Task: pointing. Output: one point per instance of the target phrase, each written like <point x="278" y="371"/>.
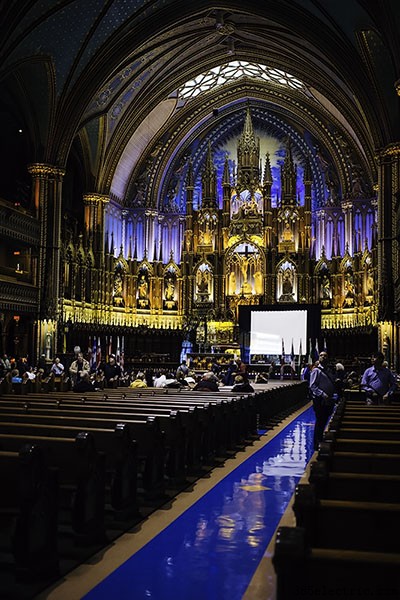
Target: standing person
<point x="378" y="381"/>
<point x="322" y="389"/>
<point x="182" y="369"/>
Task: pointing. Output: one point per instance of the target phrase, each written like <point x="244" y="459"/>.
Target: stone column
<point x="95" y="205"/>
<point x="388" y="232"/>
<point x="47" y="188"/>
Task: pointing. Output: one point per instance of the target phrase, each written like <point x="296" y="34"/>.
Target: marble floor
<point x="214" y="541"/>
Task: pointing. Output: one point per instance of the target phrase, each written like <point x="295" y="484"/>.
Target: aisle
<point x="213" y="548"/>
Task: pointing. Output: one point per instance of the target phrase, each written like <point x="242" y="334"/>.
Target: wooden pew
<point x="217" y="437"/>
<point x="146" y="430"/>
<point x="246" y="402"/>
<point x="279" y="400"/>
<point x="353" y="485"/>
<point x="28" y="513"/>
<point x="188" y="415"/>
<point x="365" y="421"/>
<point x="344" y="544"/>
<point x="119" y="448"/>
<point x="231" y="421"/>
<point x="187" y="449"/>
<point x="357" y="443"/>
<point x="358" y="397"/>
<point x="305" y="571"/>
<point x="363" y="432"/>
<point x="359" y="462"/>
<point x="195" y="418"/>
<point x="81" y="478"/>
<point x="367" y="526"/>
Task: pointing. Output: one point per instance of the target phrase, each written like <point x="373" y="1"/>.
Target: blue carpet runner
<point x="212" y="550"/>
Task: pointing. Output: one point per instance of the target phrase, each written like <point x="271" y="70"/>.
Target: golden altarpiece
<point x="140" y="269"/>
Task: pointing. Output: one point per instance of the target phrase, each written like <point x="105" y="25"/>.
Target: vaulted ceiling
<point x="95" y="82"/>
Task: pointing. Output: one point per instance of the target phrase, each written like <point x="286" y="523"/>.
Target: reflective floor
<point x="212" y="550"/>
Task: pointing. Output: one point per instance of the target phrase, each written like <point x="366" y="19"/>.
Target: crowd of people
<point x="327" y="382"/>
<point x="84" y="376"/>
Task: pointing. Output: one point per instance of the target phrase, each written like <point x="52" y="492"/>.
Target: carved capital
<point x="94" y="199"/>
<point x="390" y="150"/>
<point x="45" y="171"/>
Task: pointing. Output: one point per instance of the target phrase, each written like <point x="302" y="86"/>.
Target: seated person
<point x="241" y="386"/>
<point x="190" y="380"/>
<point x="181" y="379"/>
<point x="99" y="379"/>
<point x="139" y="381"/>
<point x="84" y="384"/>
<point x="351" y="381"/>
<point x="57" y="368"/>
<point x="231" y="371"/>
<point x="76" y="368"/>
<point x="112" y="372"/>
<point x="15" y="376"/>
<point x="31" y="373"/>
<point x="207" y="383"/>
<point x="159" y="380"/>
<point x="261" y="378"/>
<point x="171" y="381"/>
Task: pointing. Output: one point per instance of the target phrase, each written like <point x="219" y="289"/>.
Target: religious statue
<point x="232" y="284"/>
<point x="251" y="208"/>
<point x="169" y="292"/>
<point x="370" y="283"/>
<point x="325" y="288"/>
<point x="287" y="235"/>
<point x="247" y="288"/>
<point x="169" y="288"/>
<point x="205" y="238"/>
<point x="369" y="286"/>
<point x="258" y="283"/>
<point x="143" y="288"/>
<point x="349" y="290"/>
<point x="349" y="285"/>
<point x="202" y="286"/>
<point x="118" y="298"/>
<point x="287" y="286"/>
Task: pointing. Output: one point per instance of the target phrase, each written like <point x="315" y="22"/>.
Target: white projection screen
<point x="269" y="328"/>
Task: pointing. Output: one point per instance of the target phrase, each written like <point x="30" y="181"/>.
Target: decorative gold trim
<point x="391" y="150"/>
<point x="94" y="198"/>
<point x="45" y="170"/>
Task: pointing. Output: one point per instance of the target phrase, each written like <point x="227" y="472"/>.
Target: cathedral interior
<point x="165" y="163"/>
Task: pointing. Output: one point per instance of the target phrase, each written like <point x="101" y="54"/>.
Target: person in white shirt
<point x="159" y="380"/>
<point x="57" y="368"/>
